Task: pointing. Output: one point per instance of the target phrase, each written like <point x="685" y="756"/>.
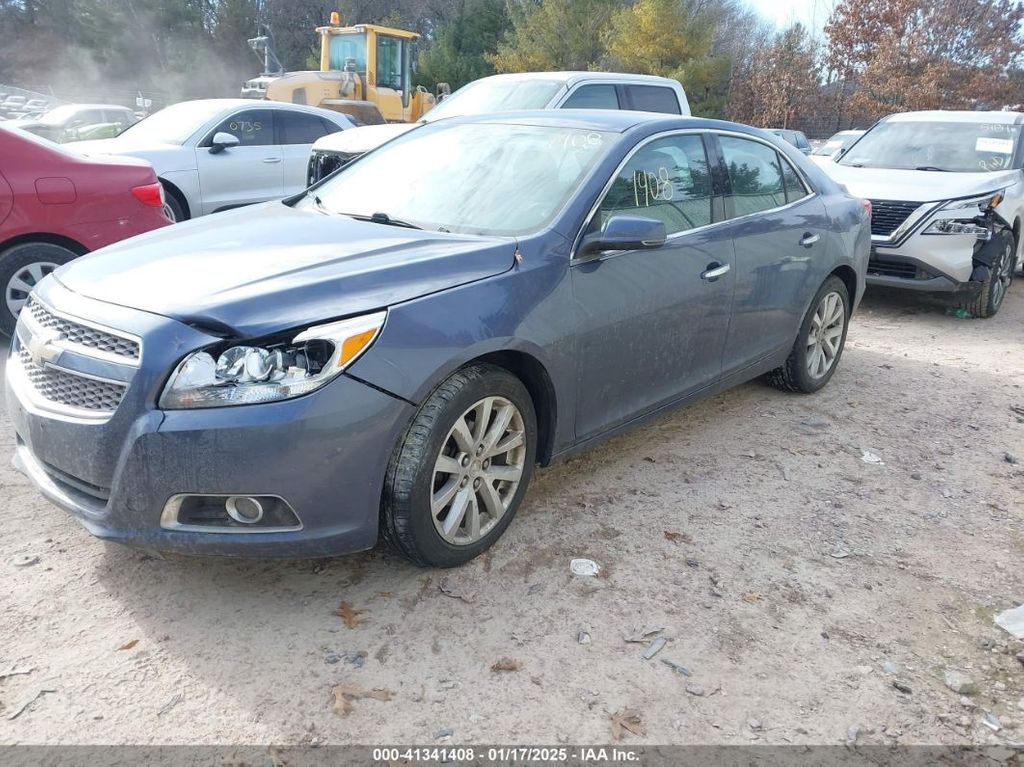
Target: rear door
<point x="778" y="226"/>
<point x="652" y="323"/>
<point x="296" y="133"/>
<point x="244" y="174"/>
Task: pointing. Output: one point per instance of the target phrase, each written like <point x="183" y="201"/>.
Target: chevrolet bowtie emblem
<point x="41" y="347"/>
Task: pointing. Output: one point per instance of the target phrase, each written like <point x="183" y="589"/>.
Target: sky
<point x="811" y="13"/>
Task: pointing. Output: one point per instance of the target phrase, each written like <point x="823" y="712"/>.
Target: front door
<point x="651" y="324"/>
<point x="244" y="174"/>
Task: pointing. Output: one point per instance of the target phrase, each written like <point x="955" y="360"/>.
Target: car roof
<point x="570" y="78"/>
<point x="963" y="116"/>
<point x="610" y="120"/>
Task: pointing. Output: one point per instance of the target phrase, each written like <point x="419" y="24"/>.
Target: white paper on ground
<point x="1012" y="621"/>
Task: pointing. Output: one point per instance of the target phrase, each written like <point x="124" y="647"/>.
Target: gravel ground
<point x="810" y="596"/>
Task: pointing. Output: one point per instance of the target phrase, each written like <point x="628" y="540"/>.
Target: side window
<point x="794" y="186"/>
<point x="755" y="175"/>
<point x="592" y="97"/>
<point x="298" y="128"/>
<point x="667" y="180"/>
<point x="253" y="127"/>
<point x="801" y="140"/>
<point x="653" y="98"/>
<point x="389" y="62"/>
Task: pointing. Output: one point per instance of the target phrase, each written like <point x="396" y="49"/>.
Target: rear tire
<point x="986" y="302"/>
<point x="450" y="490"/>
<point x="819" y="344"/>
<point x="21" y="269"/>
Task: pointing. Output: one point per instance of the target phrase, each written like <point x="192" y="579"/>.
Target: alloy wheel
<point x="1003" y="275"/>
<point x="825" y="336"/>
<point x="478" y="471"/>
<point x="22" y="283"/>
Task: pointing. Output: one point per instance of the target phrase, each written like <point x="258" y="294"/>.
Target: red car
<point x="56" y="206"/>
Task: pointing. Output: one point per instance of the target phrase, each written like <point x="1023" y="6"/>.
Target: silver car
<point x="216" y="154"/>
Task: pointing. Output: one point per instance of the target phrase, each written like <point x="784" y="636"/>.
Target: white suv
<point x="947" y="195"/>
<point x="508" y="93"/>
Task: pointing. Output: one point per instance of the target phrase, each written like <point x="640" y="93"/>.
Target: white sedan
<point x="216" y="154"/>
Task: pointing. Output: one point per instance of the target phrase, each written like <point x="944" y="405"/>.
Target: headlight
<point x="983" y="202"/>
<point x="272" y="370"/>
<point x="965" y="223"/>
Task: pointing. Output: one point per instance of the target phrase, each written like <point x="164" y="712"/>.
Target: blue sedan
<point x="390" y="354"/>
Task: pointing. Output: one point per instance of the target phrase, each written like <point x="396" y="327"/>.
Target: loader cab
<point x="378" y="63"/>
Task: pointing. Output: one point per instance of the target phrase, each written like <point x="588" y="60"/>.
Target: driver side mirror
<point x="626" y="233"/>
<point x="222" y="141"/>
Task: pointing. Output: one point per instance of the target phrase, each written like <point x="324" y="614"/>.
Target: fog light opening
<point x="243" y="509"/>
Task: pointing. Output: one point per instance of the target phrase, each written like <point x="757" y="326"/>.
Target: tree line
<point x="872" y="58"/>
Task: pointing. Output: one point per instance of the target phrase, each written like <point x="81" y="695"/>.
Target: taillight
<point x="150" y="194"/>
<point x="867" y="207"/>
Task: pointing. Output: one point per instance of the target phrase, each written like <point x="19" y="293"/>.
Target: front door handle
<point x="714" y="271"/>
<point x="271" y="159"/>
<point x="809" y="239"/>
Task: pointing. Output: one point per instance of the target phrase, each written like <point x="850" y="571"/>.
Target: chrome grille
<point x="66" y="388"/>
<point x="82" y="335"/>
<point x="888" y="215"/>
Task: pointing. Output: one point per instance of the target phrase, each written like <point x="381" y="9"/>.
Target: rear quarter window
<point x="652" y="98"/>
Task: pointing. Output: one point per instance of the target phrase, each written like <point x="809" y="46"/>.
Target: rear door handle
<point x="271" y="159"/>
<point x="714" y="271"/>
<point x="809" y="239"/>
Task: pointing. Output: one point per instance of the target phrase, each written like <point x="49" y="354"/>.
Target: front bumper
<point x="325" y="453"/>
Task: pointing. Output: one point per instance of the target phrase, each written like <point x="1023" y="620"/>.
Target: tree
<point x="780" y="82"/>
<point x="668" y="38"/>
<point x="554" y="35"/>
<point x="463" y="44"/>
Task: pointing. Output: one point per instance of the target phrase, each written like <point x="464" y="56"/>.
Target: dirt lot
<point x="803" y="586"/>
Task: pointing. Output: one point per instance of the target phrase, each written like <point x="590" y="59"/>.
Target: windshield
<point x="475" y="178"/>
<point x="495" y="95"/>
<point x="959" y="147"/>
<point x="348" y="52"/>
<point x="837" y="142"/>
<point x="174" y="124"/>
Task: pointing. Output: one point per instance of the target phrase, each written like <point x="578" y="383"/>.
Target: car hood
<point x="363" y="139"/>
<point x="272" y="267"/>
<point x="915" y="185"/>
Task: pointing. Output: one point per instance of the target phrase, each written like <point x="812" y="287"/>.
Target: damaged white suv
<point x="947" y="196"/>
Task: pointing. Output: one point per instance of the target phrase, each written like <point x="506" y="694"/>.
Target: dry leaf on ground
<point x="627" y="720"/>
<point x="507" y="664"/>
<point x="677" y="538"/>
<point x="344" y="694"/>
<point x="128" y="645"/>
<point x="350" y="615"/>
<point x="752" y="597"/>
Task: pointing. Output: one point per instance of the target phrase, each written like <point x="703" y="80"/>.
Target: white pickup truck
<point x="512" y="92"/>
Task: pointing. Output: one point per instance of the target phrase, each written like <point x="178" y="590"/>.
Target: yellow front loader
<point x="365" y="72"/>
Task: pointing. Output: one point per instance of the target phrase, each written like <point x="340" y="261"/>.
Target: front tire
<point x="986" y="302"/>
<point x="22" y="267"/>
<point x="819" y="344"/>
<point x="459" y="474"/>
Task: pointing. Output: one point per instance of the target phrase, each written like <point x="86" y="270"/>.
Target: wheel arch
<point x="45" y="237"/>
<point x="849" y="277"/>
<point x="537" y="381"/>
<point x="173" y="189"/>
